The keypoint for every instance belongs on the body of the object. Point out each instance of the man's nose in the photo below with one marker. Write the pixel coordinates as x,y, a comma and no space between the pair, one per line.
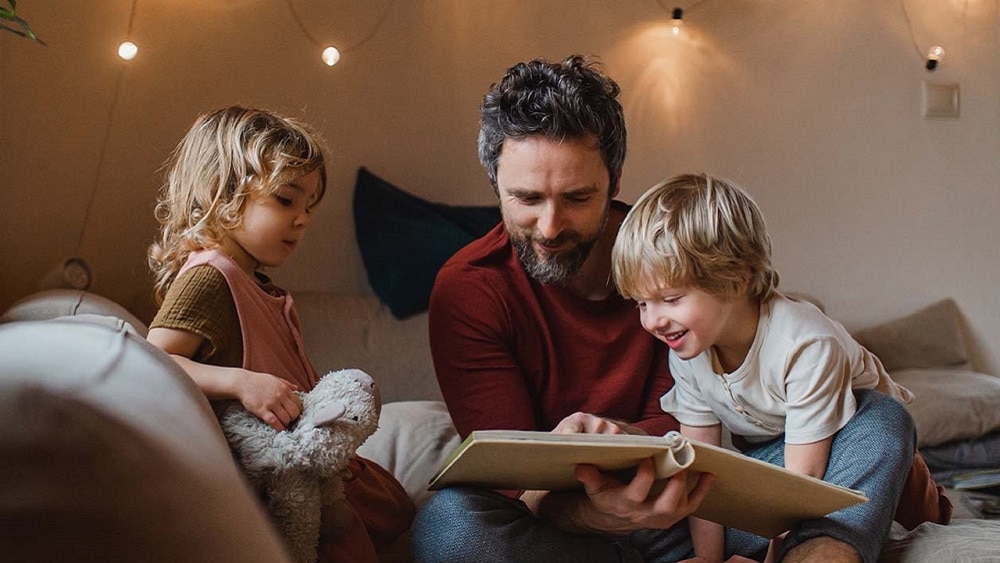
550,221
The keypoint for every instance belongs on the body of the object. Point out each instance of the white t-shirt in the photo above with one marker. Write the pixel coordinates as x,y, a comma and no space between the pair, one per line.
796,379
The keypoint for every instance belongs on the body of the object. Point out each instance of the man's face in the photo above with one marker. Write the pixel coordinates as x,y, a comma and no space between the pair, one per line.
554,200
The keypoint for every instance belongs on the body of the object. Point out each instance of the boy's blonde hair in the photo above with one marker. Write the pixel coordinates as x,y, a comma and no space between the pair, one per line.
229,157
694,230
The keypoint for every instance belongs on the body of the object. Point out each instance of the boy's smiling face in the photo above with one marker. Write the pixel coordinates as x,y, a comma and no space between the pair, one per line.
690,320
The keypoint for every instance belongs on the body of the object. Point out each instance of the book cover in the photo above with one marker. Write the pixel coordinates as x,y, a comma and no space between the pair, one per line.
748,494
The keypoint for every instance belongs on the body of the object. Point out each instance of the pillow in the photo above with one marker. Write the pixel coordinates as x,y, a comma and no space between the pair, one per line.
413,441
930,337
404,240
963,455
951,404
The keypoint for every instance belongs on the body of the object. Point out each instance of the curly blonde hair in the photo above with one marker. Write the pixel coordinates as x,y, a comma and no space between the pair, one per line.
694,230
229,157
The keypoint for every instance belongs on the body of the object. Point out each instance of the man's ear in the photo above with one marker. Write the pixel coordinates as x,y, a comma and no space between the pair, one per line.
615,189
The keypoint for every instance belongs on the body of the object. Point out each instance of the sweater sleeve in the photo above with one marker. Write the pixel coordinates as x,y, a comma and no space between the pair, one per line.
479,376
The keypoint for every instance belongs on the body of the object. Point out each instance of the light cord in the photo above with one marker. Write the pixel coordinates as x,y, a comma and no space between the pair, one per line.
312,39
101,156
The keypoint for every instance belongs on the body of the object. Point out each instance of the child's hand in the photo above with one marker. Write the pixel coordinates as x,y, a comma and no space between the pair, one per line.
269,398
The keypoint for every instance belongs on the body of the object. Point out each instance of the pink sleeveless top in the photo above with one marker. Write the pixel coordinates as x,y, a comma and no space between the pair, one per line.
272,337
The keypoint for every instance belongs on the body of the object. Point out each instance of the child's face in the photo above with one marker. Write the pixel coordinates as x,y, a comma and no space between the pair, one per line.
689,320
273,225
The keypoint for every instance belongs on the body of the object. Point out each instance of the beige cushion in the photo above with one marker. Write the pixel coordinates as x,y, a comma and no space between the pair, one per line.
930,337
951,404
413,440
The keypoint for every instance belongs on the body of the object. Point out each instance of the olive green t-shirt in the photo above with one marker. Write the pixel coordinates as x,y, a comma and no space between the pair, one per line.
200,301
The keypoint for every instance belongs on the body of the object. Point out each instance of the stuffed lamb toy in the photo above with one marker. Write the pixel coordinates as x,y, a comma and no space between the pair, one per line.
301,469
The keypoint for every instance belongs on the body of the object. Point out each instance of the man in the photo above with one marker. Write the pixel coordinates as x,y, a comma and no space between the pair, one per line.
527,332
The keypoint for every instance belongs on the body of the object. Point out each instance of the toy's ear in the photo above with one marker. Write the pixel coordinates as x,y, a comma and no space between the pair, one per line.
329,413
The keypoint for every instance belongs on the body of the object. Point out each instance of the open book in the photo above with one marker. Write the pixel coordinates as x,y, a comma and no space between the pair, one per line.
748,494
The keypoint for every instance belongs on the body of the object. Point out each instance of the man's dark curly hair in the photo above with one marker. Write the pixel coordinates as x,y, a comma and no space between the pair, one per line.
568,100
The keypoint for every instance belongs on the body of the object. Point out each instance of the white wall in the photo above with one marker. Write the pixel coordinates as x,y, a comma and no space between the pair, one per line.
813,105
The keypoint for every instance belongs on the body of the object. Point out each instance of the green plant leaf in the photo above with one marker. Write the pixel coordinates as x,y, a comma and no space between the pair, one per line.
10,15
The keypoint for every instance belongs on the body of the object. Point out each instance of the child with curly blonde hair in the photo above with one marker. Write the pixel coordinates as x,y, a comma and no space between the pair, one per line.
240,192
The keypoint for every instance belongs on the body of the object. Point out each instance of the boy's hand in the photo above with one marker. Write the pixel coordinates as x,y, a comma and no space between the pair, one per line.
269,398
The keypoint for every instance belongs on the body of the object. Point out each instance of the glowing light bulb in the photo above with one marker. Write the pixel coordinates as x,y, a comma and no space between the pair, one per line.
127,50
677,21
934,56
331,55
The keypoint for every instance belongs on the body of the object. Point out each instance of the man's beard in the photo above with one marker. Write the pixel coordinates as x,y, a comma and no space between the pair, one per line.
559,266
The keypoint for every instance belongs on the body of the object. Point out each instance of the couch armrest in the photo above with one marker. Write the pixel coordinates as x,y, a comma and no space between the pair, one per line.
56,303
112,453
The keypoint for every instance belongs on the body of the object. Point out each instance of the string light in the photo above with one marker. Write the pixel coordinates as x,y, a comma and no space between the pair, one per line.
127,50
677,15
677,21
330,54
934,56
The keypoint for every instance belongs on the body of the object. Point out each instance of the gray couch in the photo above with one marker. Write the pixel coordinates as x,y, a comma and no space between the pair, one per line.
110,453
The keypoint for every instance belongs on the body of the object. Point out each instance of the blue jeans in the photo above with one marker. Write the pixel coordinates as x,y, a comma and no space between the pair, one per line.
872,453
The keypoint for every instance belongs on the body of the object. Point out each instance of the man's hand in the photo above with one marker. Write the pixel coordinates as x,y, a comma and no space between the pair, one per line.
583,423
612,507
609,505
617,508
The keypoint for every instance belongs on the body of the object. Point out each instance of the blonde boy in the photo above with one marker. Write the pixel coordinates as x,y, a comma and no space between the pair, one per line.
789,383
